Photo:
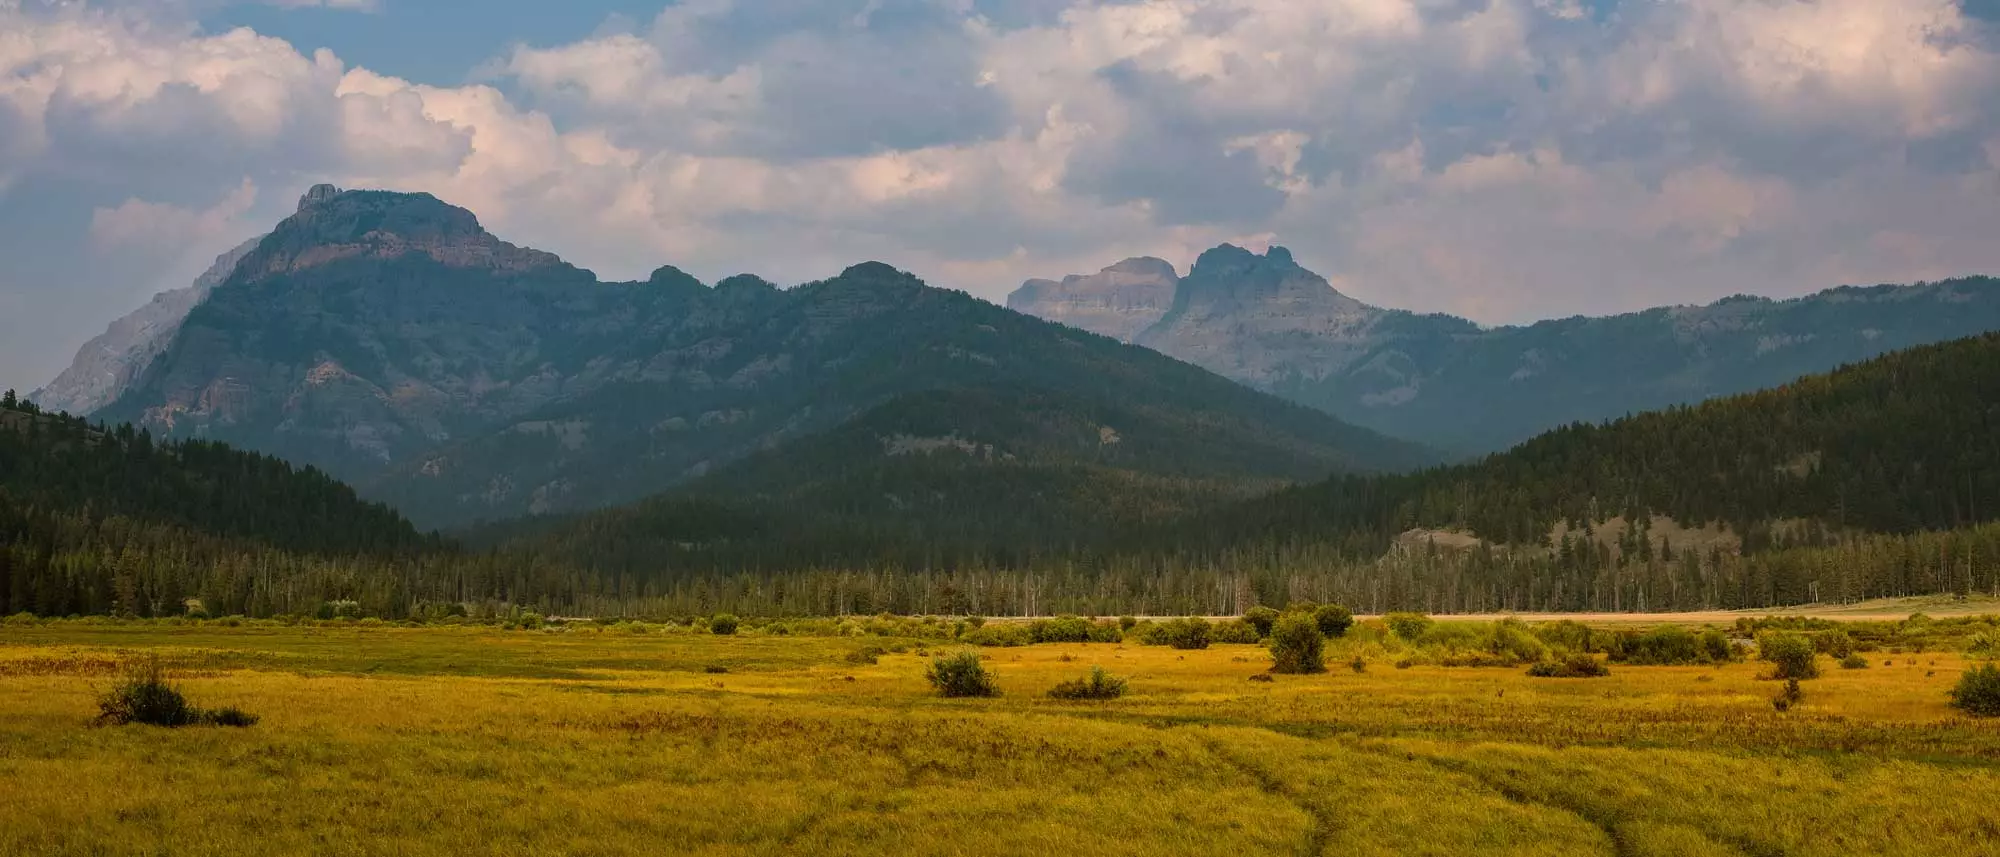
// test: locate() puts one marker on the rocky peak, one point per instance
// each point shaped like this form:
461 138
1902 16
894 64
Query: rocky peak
332 224
670 277
317 194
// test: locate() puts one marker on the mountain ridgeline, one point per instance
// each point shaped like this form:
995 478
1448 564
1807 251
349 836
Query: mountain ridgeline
1267 322
390 340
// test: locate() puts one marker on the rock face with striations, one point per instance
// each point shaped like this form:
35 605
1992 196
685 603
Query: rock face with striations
1447 382
392 341
1119 301
109 362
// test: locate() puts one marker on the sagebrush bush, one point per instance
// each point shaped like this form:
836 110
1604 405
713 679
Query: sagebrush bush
723 623
1978 691
1573 665
1261 619
1297 647
1835 643
1791 656
146 696
1333 620
1098 685
866 655
961 675
1854 661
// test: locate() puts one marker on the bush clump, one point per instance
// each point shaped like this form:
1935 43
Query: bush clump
723 623
1179 634
1297 647
1098 685
1261 619
1409 626
1978 691
1791 655
961 675
1333 620
145 696
1573 665
1235 631
1854 661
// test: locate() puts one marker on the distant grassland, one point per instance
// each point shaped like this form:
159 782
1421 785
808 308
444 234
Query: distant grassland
602 741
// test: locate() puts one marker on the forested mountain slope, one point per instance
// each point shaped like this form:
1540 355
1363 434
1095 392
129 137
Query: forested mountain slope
392 341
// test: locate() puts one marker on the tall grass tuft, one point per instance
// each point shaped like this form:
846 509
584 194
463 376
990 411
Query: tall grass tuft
146 696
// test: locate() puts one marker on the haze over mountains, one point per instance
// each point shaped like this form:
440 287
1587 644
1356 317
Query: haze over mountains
1445 381
392 341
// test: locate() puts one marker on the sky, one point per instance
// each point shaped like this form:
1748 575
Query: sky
1504 160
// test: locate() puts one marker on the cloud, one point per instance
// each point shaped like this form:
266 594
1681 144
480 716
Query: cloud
1507 159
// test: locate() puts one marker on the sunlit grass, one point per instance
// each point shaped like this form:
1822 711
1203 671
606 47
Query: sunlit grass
434 741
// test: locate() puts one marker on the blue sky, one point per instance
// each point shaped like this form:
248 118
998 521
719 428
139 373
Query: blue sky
1505 160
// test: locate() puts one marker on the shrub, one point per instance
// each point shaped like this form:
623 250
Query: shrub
1179 633
723 623
961 675
1791 655
1333 620
1098 685
1854 661
715 669
1513 640
1666 645
1715 646
1261 619
999 634
1235 631
1297 646
1835 643
1978 691
145 696
1062 629
1125 623
1788 697
1409 626
1573 665
1359 664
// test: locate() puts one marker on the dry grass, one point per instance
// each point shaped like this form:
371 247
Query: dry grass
476 741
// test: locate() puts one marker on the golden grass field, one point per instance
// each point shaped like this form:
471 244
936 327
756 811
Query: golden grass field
599 741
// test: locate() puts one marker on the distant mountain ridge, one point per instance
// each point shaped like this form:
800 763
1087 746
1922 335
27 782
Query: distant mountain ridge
1267 322
391 340
106 365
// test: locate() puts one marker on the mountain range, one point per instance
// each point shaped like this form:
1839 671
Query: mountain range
390 340
1445 381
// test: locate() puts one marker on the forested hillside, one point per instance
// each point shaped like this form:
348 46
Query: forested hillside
95 520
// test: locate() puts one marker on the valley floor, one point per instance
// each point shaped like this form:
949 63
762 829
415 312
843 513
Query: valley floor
474 740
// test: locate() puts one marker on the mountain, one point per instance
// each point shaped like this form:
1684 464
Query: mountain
390 340
1267 322
106 365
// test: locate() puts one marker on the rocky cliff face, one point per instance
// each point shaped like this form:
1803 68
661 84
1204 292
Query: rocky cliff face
390 340
1120 301
106 365
1445 381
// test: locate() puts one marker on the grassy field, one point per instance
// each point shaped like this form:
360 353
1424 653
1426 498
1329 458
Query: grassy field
595 741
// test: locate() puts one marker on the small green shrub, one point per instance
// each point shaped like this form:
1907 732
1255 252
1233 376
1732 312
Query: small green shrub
1000 634
1978 691
1788 697
723 623
1234 631
1854 661
1409 626
1835 643
1062 629
229 716
1297 646
1791 655
1179 634
866 655
1126 623
961 675
1098 685
715 669
1573 665
1333 620
1261 619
